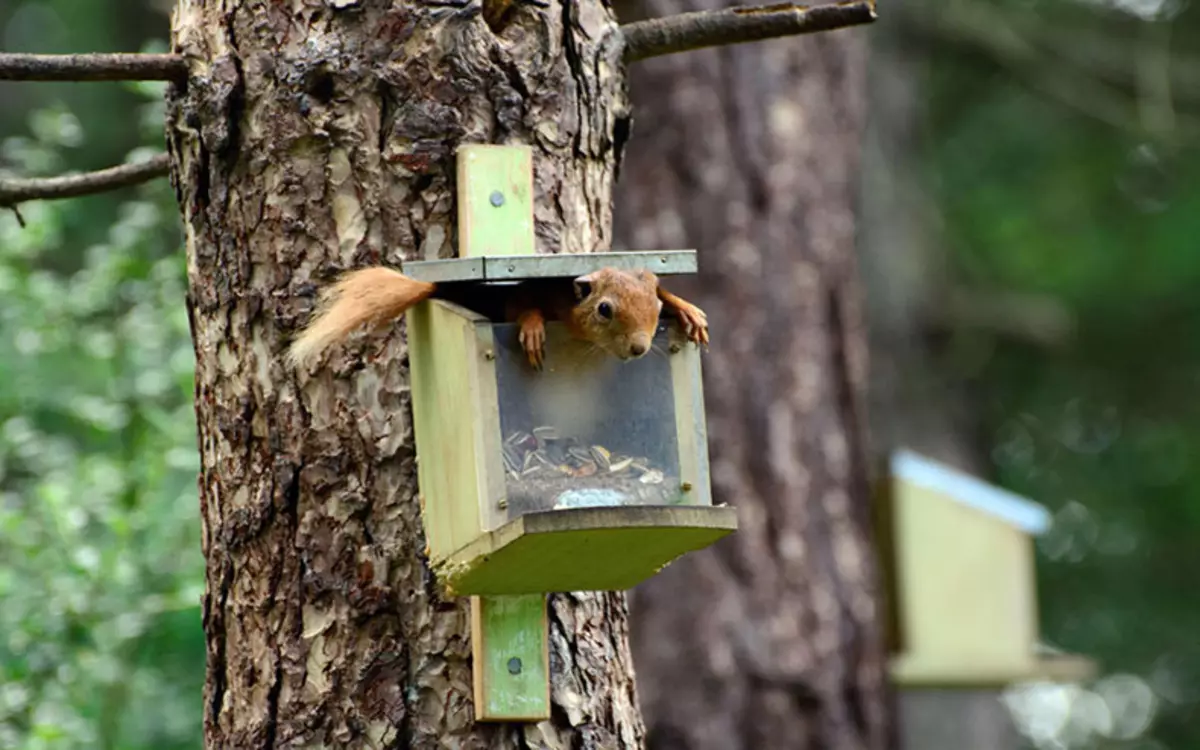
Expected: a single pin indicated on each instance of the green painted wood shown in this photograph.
(446, 367)
(485, 228)
(509, 635)
(582, 549)
(691, 426)
(510, 646)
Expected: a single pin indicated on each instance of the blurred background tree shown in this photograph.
(1029, 243)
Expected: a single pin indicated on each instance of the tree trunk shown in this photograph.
(771, 639)
(916, 403)
(315, 137)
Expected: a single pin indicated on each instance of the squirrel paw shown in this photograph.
(694, 322)
(533, 339)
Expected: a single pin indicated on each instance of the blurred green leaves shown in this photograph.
(1037, 197)
(100, 565)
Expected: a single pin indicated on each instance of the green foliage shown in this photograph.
(100, 566)
(1037, 198)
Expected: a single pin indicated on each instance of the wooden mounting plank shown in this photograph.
(495, 201)
(509, 634)
(511, 658)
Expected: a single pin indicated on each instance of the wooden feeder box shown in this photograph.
(591, 474)
(960, 561)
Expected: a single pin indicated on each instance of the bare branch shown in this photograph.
(92, 67)
(689, 31)
(1045, 72)
(1081, 90)
(1036, 319)
(14, 191)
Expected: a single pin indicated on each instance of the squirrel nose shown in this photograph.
(637, 348)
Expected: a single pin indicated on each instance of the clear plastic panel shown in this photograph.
(588, 430)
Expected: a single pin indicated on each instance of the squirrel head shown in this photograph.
(618, 310)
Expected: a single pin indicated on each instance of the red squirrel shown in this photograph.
(615, 310)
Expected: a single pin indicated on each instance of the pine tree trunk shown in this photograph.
(317, 136)
(771, 639)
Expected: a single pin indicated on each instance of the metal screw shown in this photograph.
(502, 503)
(512, 269)
(489, 355)
(676, 348)
(514, 666)
(686, 486)
(497, 198)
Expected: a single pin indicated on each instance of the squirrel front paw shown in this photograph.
(533, 338)
(694, 322)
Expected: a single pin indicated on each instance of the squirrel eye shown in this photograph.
(605, 310)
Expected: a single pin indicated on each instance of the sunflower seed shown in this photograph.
(512, 458)
(601, 456)
(581, 454)
(620, 465)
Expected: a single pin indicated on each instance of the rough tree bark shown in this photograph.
(771, 639)
(315, 136)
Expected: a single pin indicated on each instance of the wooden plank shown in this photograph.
(912, 670)
(883, 524)
(509, 635)
(446, 399)
(510, 650)
(691, 426)
(582, 549)
(510, 267)
(968, 598)
(493, 490)
(495, 201)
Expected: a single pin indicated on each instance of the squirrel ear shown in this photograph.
(583, 287)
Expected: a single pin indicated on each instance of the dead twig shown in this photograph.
(14, 191)
(689, 31)
(92, 67)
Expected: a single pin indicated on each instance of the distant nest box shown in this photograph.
(962, 591)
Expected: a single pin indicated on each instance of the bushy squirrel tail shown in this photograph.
(370, 295)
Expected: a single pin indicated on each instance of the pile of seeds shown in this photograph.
(541, 466)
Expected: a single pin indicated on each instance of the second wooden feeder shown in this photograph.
(591, 474)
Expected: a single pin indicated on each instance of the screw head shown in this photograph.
(514, 666)
(497, 198)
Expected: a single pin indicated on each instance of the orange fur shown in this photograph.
(633, 300)
(635, 307)
(368, 296)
